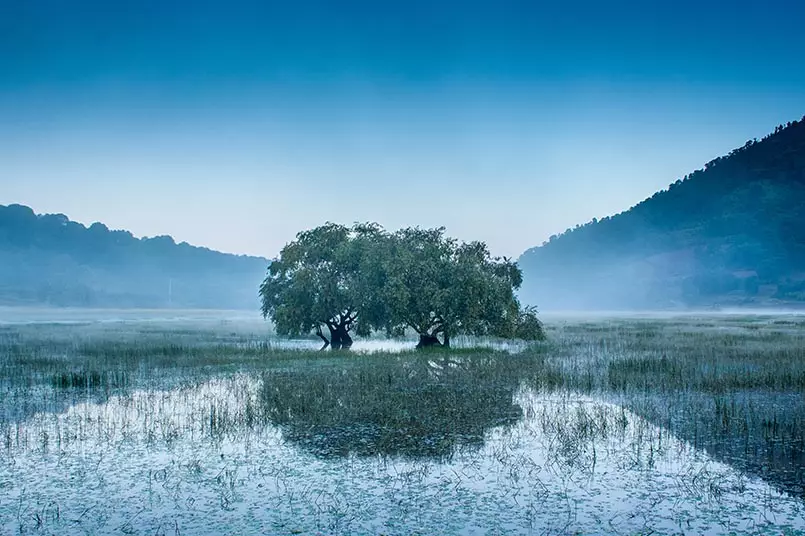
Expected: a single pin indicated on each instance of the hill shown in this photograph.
(50, 260)
(730, 234)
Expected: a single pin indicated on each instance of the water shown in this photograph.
(377, 345)
(213, 456)
(209, 426)
(243, 328)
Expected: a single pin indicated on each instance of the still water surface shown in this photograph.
(223, 456)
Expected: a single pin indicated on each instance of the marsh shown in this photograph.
(209, 425)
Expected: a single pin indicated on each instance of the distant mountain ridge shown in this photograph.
(731, 234)
(48, 259)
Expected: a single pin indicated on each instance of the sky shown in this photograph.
(234, 125)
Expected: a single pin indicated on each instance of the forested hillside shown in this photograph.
(732, 233)
(50, 260)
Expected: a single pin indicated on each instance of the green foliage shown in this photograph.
(410, 406)
(529, 327)
(326, 278)
(438, 286)
(365, 278)
(306, 286)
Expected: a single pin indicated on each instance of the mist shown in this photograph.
(727, 235)
(49, 260)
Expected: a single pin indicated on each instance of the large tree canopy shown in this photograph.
(365, 278)
(324, 279)
(440, 287)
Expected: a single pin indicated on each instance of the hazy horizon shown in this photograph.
(234, 126)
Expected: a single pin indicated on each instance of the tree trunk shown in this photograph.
(326, 341)
(335, 338)
(346, 340)
(427, 340)
(339, 338)
(446, 342)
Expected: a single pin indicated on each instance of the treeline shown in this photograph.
(50, 260)
(734, 228)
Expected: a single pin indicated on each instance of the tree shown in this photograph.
(324, 278)
(440, 288)
(367, 279)
(529, 327)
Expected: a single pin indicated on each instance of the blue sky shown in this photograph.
(236, 124)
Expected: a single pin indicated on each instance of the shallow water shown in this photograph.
(242, 328)
(213, 457)
(370, 346)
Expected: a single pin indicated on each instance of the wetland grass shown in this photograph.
(397, 442)
(733, 386)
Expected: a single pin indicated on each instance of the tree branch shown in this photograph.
(416, 328)
(325, 339)
(437, 320)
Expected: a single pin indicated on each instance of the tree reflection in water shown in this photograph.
(412, 407)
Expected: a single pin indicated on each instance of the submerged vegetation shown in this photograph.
(405, 405)
(628, 425)
(364, 278)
